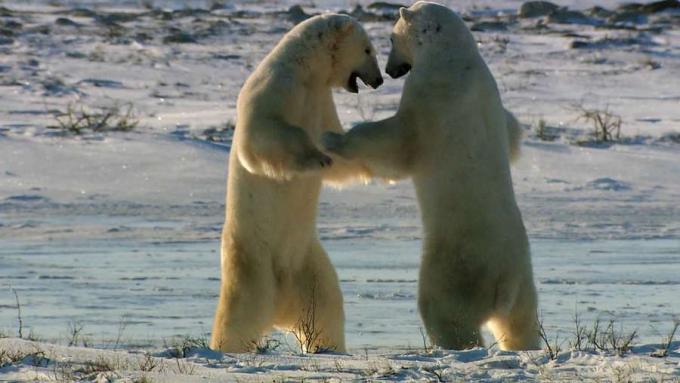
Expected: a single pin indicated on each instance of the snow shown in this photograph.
(119, 231)
(47, 362)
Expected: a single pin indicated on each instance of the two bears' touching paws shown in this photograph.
(334, 143)
(314, 160)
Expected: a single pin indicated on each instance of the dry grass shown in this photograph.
(552, 348)
(306, 331)
(266, 345)
(149, 363)
(75, 334)
(610, 339)
(78, 119)
(666, 344)
(19, 318)
(36, 357)
(183, 346)
(606, 125)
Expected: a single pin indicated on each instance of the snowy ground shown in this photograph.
(118, 232)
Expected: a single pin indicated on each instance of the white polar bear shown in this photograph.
(274, 271)
(452, 135)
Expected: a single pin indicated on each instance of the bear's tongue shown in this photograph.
(352, 85)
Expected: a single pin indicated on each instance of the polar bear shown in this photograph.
(453, 137)
(274, 272)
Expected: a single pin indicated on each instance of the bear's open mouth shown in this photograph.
(352, 85)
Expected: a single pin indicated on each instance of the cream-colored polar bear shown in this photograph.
(274, 271)
(452, 135)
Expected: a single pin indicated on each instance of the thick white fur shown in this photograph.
(274, 270)
(452, 135)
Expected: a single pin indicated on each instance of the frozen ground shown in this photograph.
(118, 232)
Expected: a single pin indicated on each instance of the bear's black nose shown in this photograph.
(396, 72)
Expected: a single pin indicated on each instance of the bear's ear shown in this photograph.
(406, 14)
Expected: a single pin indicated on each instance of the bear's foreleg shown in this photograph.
(279, 150)
(385, 148)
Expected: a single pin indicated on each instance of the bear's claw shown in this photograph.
(325, 161)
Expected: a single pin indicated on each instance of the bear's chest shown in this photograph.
(309, 110)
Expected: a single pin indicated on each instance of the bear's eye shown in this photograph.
(367, 51)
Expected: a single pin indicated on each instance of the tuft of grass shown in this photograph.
(266, 345)
(306, 331)
(99, 365)
(609, 339)
(75, 336)
(19, 318)
(36, 357)
(666, 345)
(545, 132)
(222, 133)
(580, 334)
(182, 347)
(78, 119)
(185, 368)
(149, 363)
(143, 379)
(427, 346)
(606, 125)
(551, 348)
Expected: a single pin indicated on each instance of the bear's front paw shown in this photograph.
(333, 142)
(315, 160)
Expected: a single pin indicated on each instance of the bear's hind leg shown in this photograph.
(245, 311)
(315, 312)
(451, 323)
(518, 329)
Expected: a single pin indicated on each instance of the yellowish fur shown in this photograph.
(453, 137)
(274, 270)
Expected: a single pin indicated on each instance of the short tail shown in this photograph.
(514, 135)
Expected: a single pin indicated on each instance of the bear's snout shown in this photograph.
(397, 71)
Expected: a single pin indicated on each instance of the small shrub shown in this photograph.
(185, 368)
(37, 357)
(75, 329)
(149, 363)
(306, 331)
(666, 345)
(100, 364)
(580, 335)
(267, 345)
(608, 339)
(79, 119)
(182, 347)
(552, 349)
(606, 125)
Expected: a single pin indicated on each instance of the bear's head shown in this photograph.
(422, 28)
(352, 54)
